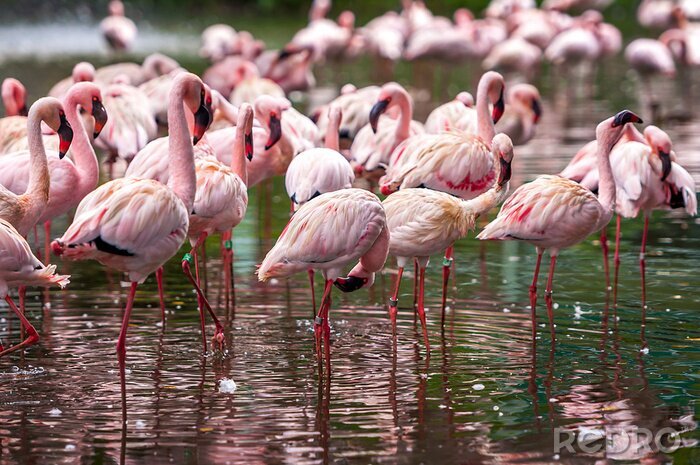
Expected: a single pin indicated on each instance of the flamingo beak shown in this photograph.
(100, 115)
(65, 136)
(537, 110)
(285, 53)
(249, 146)
(498, 108)
(275, 132)
(665, 164)
(350, 284)
(202, 120)
(505, 172)
(376, 111)
(624, 117)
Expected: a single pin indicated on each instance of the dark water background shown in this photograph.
(487, 394)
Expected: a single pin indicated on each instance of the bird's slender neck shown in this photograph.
(332, 140)
(485, 128)
(403, 128)
(83, 154)
(486, 201)
(182, 174)
(38, 187)
(238, 161)
(606, 184)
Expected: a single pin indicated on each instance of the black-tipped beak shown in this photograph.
(498, 108)
(285, 53)
(249, 146)
(275, 132)
(377, 110)
(100, 115)
(23, 111)
(624, 117)
(537, 110)
(350, 284)
(505, 172)
(665, 164)
(65, 136)
(202, 120)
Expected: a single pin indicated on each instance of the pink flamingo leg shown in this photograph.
(121, 345)
(616, 259)
(446, 265)
(643, 267)
(32, 335)
(322, 317)
(22, 307)
(605, 248)
(421, 309)
(415, 287)
(533, 293)
(394, 301)
(218, 338)
(161, 293)
(313, 291)
(227, 254)
(200, 305)
(548, 295)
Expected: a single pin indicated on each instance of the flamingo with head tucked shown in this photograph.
(135, 225)
(553, 213)
(328, 233)
(118, 30)
(19, 267)
(446, 116)
(423, 222)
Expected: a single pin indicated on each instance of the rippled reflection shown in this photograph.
(487, 394)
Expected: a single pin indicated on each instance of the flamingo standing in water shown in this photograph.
(317, 171)
(119, 31)
(14, 97)
(423, 222)
(19, 267)
(553, 213)
(649, 57)
(71, 180)
(136, 225)
(354, 104)
(458, 163)
(328, 233)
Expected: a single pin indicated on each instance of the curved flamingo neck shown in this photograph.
(484, 124)
(403, 128)
(182, 180)
(606, 183)
(84, 157)
(238, 161)
(332, 139)
(38, 187)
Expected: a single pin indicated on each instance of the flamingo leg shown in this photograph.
(121, 344)
(32, 335)
(227, 254)
(606, 249)
(200, 305)
(446, 265)
(218, 338)
(642, 260)
(204, 268)
(415, 287)
(47, 242)
(22, 307)
(533, 293)
(548, 295)
(321, 323)
(161, 293)
(394, 301)
(421, 308)
(616, 260)
(311, 273)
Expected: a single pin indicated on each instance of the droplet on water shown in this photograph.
(478, 387)
(55, 412)
(227, 386)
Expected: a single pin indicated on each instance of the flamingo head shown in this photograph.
(660, 142)
(354, 283)
(609, 131)
(245, 118)
(51, 112)
(494, 85)
(502, 148)
(14, 96)
(203, 114)
(466, 99)
(90, 98)
(83, 71)
(270, 109)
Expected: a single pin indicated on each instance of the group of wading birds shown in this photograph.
(438, 179)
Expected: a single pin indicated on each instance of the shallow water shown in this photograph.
(486, 395)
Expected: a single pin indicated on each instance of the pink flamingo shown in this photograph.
(523, 111)
(71, 180)
(657, 14)
(218, 42)
(446, 116)
(515, 55)
(552, 212)
(14, 97)
(328, 39)
(374, 143)
(318, 171)
(423, 222)
(504, 8)
(458, 163)
(226, 74)
(354, 105)
(136, 225)
(291, 67)
(252, 87)
(24, 210)
(328, 233)
(649, 57)
(82, 72)
(119, 31)
(19, 267)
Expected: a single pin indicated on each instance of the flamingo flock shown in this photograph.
(435, 177)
